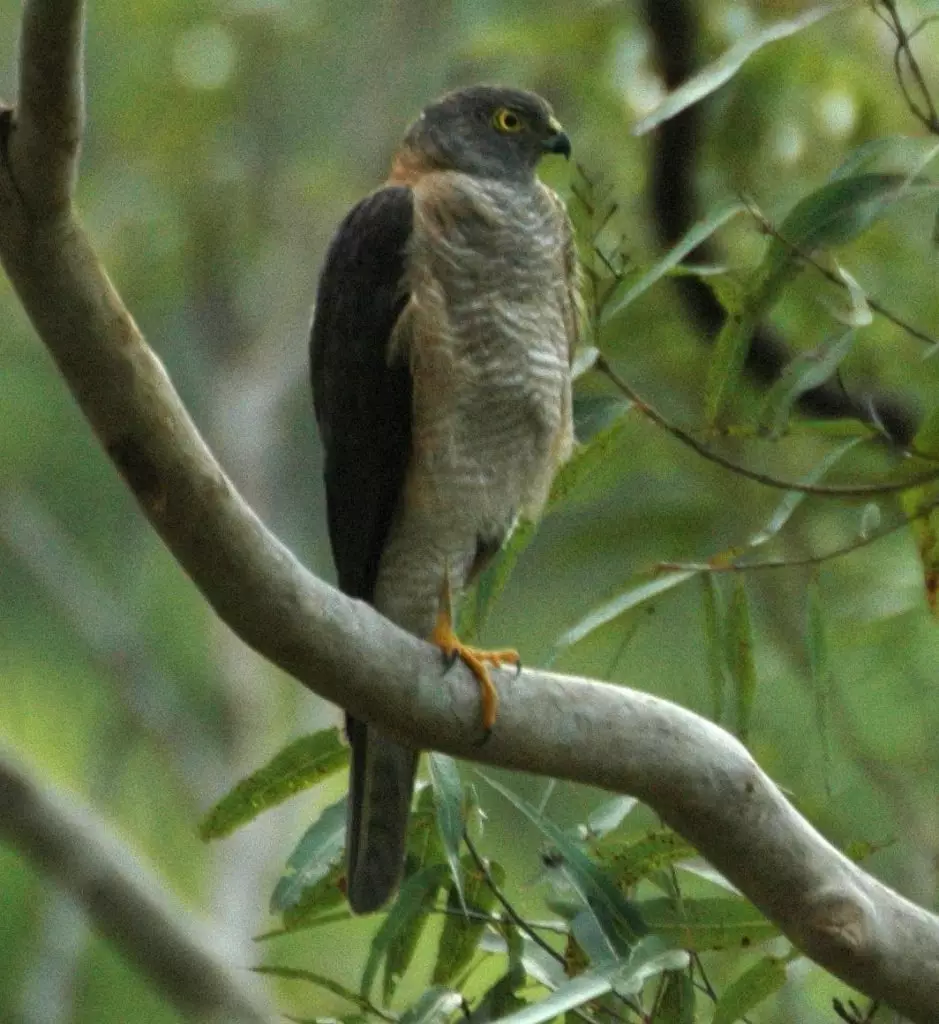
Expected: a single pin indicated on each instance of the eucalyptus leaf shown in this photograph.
(718, 73)
(622, 603)
(304, 763)
(757, 983)
(317, 852)
(448, 799)
(396, 936)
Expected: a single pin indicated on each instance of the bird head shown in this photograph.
(487, 131)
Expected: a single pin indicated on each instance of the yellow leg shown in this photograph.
(474, 659)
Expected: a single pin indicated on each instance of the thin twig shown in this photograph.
(512, 913)
(714, 563)
(878, 307)
(825, 490)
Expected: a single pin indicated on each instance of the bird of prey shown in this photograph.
(445, 320)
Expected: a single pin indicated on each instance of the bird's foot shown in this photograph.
(477, 662)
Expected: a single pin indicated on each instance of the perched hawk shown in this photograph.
(445, 320)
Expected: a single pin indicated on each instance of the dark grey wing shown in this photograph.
(363, 407)
(363, 401)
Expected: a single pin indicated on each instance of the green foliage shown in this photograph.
(308, 884)
(211, 206)
(304, 763)
(757, 983)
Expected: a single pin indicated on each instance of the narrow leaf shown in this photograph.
(318, 903)
(716, 74)
(676, 1005)
(319, 850)
(461, 934)
(791, 500)
(478, 602)
(699, 233)
(822, 676)
(620, 920)
(304, 763)
(589, 457)
(740, 657)
(757, 983)
(651, 956)
(622, 603)
(626, 863)
(409, 910)
(448, 800)
(708, 923)
(625, 976)
(806, 371)
(566, 997)
(608, 816)
(404, 942)
(434, 1006)
(584, 361)
(832, 215)
(718, 672)
(919, 506)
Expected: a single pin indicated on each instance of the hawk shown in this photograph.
(445, 320)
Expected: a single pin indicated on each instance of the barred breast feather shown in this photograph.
(488, 332)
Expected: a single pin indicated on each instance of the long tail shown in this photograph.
(380, 790)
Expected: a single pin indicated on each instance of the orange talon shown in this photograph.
(474, 659)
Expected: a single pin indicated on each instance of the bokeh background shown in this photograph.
(224, 142)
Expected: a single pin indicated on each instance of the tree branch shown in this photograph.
(700, 780)
(45, 142)
(125, 903)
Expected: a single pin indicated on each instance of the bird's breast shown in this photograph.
(488, 344)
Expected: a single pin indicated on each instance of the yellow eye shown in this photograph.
(507, 121)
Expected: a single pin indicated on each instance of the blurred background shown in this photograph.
(225, 140)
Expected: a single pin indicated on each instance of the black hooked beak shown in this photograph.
(558, 141)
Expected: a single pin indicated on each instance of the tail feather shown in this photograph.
(381, 787)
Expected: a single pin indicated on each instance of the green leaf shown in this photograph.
(822, 676)
(676, 1005)
(718, 672)
(570, 995)
(584, 361)
(609, 816)
(318, 902)
(589, 457)
(397, 937)
(757, 983)
(806, 371)
(318, 851)
(618, 917)
(478, 602)
(447, 788)
(659, 583)
(304, 763)
(834, 214)
(434, 1006)
(919, 505)
(500, 999)
(424, 843)
(740, 657)
(709, 923)
(460, 935)
(690, 241)
(651, 957)
(627, 862)
(791, 500)
(625, 976)
(716, 74)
